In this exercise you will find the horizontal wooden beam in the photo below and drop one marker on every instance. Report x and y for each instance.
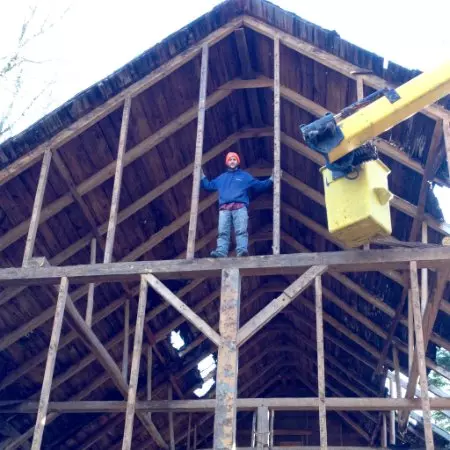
(242, 404)
(341, 261)
(309, 447)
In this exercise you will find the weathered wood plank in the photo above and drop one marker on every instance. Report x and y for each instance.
(391, 415)
(50, 365)
(112, 223)
(37, 206)
(227, 362)
(342, 261)
(198, 155)
(91, 287)
(134, 374)
(274, 307)
(320, 364)
(420, 352)
(171, 428)
(262, 428)
(182, 308)
(126, 341)
(424, 272)
(242, 404)
(276, 151)
(384, 434)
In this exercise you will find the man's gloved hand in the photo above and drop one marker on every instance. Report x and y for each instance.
(202, 174)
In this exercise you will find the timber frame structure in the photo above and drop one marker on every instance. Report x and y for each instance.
(104, 235)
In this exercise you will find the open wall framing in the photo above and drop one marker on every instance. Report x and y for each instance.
(105, 233)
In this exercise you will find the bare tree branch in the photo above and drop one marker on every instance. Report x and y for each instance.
(21, 92)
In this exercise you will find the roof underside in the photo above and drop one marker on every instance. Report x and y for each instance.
(158, 226)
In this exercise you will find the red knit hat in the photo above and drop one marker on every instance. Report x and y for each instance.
(230, 155)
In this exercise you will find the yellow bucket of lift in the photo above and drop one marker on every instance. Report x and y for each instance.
(358, 205)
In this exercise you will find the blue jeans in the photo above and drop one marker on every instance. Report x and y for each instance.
(239, 219)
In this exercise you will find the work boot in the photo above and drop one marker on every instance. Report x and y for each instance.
(216, 254)
(242, 253)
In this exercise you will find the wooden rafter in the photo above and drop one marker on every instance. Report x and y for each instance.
(334, 62)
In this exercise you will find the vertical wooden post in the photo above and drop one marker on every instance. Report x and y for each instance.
(188, 444)
(37, 206)
(134, 374)
(149, 376)
(198, 154)
(392, 414)
(90, 298)
(321, 365)
(195, 437)
(149, 372)
(359, 88)
(253, 444)
(420, 349)
(126, 341)
(397, 371)
(384, 431)
(50, 364)
(410, 333)
(171, 430)
(272, 428)
(424, 271)
(262, 433)
(227, 364)
(112, 224)
(276, 150)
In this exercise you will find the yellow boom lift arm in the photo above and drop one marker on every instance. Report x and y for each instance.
(351, 161)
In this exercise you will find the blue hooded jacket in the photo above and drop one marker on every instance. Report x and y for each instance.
(233, 186)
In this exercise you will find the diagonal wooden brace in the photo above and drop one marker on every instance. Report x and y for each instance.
(274, 307)
(182, 308)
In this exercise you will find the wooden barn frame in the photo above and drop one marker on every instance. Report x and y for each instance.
(414, 260)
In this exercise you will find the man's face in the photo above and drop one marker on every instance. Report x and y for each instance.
(232, 162)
